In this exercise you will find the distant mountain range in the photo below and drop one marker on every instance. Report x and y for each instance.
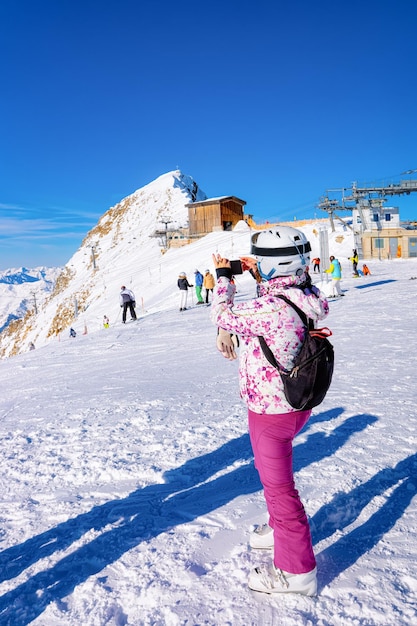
(23, 289)
(18, 277)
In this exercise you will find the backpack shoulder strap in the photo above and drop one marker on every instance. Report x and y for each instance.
(264, 346)
(268, 353)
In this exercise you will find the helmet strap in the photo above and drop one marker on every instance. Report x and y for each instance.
(266, 276)
(300, 254)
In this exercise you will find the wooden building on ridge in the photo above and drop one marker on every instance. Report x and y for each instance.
(214, 214)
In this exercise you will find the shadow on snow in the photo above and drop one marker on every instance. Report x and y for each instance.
(345, 508)
(186, 495)
(376, 283)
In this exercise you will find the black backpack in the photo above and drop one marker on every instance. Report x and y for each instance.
(306, 385)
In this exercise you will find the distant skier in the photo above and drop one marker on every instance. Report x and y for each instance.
(316, 265)
(31, 346)
(127, 301)
(72, 332)
(336, 273)
(355, 259)
(208, 284)
(183, 285)
(106, 322)
(198, 286)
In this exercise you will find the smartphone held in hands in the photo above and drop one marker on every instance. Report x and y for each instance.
(236, 267)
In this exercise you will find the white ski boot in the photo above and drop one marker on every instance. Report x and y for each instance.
(269, 579)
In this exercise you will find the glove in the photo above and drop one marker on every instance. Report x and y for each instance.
(226, 344)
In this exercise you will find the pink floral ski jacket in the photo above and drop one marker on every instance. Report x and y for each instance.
(260, 383)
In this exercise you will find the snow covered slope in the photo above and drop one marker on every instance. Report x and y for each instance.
(127, 483)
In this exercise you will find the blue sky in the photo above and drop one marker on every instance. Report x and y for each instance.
(272, 101)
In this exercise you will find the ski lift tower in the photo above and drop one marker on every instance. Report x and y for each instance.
(331, 206)
(324, 249)
(165, 221)
(364, 199)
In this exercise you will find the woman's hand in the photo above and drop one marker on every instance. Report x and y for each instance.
(219, 261)
(251, 264)
(226, 345)
(248, 263)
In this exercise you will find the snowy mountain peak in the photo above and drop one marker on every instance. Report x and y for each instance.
(122, 244)
(149, 207)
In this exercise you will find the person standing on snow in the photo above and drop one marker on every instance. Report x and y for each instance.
(316, 265)
(355, 260)
(198, 278)
(208, 283)
(127, 301)
(281, 257)
(183, 285)
(336, 273)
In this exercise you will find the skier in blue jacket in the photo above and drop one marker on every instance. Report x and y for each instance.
(198, 286)
(336, 273)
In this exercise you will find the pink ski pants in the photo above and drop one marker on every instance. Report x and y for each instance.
(271, 438)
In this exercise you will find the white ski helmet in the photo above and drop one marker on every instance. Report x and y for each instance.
(281, 251)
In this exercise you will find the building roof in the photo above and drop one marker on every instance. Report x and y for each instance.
(216, 201)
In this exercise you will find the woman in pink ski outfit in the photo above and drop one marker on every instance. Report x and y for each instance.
(281, 258)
